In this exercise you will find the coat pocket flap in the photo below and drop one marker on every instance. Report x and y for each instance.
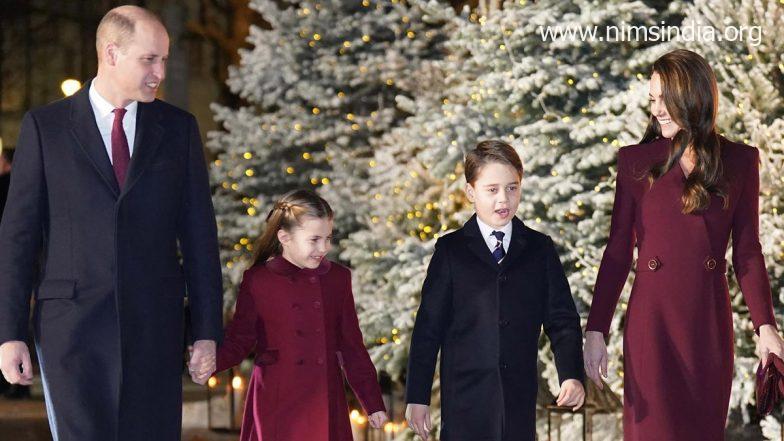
(56, 289)
(267, 357)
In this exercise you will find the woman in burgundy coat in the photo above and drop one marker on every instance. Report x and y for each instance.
(296, 309)
(680, 195)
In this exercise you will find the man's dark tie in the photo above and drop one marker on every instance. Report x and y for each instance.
(121, 155)
(499, 252)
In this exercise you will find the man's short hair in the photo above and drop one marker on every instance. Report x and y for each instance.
(119, 24)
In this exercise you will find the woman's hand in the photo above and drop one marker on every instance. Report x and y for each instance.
(769, 342)
(378, 419)
(572, 394)
(595, 353)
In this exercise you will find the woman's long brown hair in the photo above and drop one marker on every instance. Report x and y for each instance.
(691, 96)
(286, 214)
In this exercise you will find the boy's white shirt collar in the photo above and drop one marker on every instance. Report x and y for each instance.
(490, 240)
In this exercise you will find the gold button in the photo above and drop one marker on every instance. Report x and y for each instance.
(653, 264)
(710, 263)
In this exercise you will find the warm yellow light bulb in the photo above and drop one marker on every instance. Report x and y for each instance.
(70, 86)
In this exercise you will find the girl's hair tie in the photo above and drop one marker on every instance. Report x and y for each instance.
(280, 205)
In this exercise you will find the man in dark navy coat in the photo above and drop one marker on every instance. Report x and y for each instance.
(109, 219)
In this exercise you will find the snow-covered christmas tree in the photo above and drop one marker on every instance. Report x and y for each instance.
(566, 106)
(317, 86)
(375, 103)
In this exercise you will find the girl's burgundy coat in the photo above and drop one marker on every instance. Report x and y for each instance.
(303, 327)
(678, 338)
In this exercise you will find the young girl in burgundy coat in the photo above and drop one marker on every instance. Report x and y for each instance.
(296, 310)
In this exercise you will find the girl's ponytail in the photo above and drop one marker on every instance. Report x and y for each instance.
(286, 214)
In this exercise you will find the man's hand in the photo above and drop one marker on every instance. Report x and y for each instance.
(12, 355)
(202, 362)
(418, 417)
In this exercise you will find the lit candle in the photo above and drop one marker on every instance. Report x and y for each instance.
(358, 426)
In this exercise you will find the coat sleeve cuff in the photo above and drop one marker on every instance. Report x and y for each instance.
(376, 405)
(415, 397)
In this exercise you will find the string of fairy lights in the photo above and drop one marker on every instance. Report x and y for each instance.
(423, 220)
(313, 39)
(424, 231)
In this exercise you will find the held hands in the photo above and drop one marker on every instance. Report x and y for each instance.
(378, 419)
(418, 418)
(769, 342)
(13, 354)
(572, 394)
(595, 353)
(202, 360)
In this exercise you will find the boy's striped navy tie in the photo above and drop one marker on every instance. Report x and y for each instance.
(499, 252)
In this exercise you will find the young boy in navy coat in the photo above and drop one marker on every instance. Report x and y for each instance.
(490, 288)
